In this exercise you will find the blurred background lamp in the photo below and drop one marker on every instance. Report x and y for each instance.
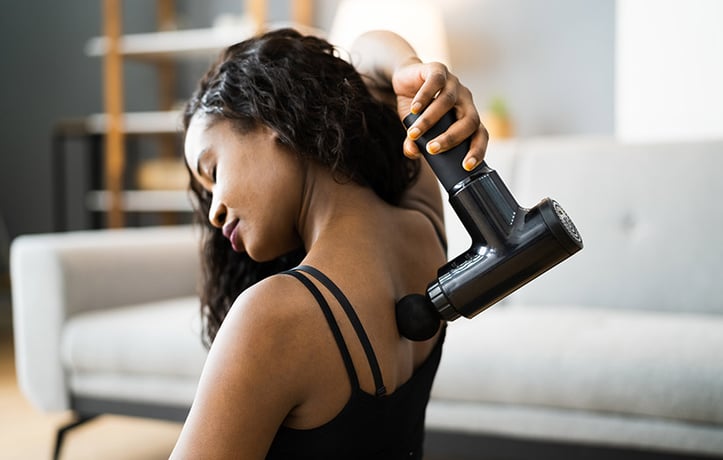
(420, 22)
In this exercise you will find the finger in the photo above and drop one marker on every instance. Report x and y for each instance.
(444, 101)
(434, 79)
(466, 125)
(477, 149)
(410, 149)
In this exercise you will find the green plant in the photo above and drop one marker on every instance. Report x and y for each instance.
(498, 107)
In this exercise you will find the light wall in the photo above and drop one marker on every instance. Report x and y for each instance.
(669, 79)
(551, 61)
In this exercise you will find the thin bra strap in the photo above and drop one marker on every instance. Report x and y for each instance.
(345, 355)
(354, 319)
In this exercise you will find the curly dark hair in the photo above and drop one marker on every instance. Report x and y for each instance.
(319, 107)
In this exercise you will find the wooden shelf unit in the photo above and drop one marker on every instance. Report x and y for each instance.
(160, 48)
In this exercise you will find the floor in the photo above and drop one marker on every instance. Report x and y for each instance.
(28, 434)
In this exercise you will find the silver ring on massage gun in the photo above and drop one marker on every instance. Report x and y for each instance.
(440, 302)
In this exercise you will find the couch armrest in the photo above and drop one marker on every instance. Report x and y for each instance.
(55, 276)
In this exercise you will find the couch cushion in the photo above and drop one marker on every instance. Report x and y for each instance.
(150, 352)
(654, 364)
(650, 217)
(571, 426)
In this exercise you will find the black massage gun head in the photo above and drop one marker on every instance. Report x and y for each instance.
(417, 319)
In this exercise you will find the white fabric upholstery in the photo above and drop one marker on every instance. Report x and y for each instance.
(616, 345)
(646, 364)
(146, 352)
(650, 216)
(574, 426)
(57, 276)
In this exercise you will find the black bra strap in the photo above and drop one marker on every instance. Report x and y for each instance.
(345, 355)
(354, 319)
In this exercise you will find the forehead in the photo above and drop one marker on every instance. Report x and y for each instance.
(197, 139)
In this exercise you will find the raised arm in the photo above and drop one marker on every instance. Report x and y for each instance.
(395, 74)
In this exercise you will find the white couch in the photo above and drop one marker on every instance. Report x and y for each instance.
(620, 346)
(107, 321)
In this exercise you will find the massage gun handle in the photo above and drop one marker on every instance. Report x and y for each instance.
(448, 166)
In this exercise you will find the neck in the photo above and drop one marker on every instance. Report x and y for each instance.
(330, 207)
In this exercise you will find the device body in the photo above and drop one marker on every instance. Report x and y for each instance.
(511, 245)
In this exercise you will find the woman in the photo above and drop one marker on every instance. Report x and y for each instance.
(295, 164)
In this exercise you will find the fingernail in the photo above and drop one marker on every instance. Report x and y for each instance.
(410, 154)
(433, 147)
(416, 107)
(470, 163)
(414, 133)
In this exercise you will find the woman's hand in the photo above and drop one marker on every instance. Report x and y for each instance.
(431, 88)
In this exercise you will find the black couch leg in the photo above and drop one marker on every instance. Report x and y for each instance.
(80, 419)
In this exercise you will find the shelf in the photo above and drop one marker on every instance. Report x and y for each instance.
(139, 122)
(142, 200)
(200, 43)
(158, 122)
(190, 42)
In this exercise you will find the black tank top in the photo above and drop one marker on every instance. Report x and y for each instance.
(380, 426)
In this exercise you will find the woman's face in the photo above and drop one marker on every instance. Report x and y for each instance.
(255, 182)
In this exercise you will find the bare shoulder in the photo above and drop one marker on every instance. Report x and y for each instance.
(271, 332)
(273, 303)
(258, 369)
(270, 321)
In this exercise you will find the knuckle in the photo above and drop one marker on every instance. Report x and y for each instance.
(476, 118)
(483, 131)
(446, 140)
(438, 77)
(449, 96)
(466, 91)
(423, 124)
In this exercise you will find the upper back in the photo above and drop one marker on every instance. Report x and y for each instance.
(369, 425)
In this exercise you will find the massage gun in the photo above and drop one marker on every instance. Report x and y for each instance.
(511, 245)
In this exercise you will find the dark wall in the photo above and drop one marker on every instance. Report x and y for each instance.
(45, 76)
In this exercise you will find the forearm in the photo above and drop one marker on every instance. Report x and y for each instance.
(377, 55)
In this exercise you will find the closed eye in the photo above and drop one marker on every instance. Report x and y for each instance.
(206, 166)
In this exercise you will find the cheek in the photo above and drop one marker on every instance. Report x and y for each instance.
(235, 188)
(283, 206)
(272, 226)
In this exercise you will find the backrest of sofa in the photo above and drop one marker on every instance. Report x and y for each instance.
(651, 217)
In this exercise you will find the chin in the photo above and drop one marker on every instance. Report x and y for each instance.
(270, 254)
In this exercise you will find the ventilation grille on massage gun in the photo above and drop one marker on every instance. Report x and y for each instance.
(566, 222)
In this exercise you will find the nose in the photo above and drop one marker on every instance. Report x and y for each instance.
(217, 212)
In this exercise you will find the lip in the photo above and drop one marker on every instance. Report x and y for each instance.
(229, 230)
